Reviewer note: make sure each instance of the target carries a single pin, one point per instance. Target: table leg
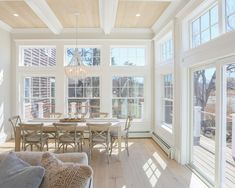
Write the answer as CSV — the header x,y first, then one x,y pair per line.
x,y
119,142
17,139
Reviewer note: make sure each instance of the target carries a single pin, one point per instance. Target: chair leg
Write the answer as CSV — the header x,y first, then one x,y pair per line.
x,y
111,146
127,148
31,147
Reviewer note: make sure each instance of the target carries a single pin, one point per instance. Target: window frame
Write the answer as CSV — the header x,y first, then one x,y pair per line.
x,y
82,98
167,38
128,46
166,99
21,56
198,17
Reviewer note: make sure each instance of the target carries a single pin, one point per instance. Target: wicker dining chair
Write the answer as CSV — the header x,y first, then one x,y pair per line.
x,y
33,136
124,135
99,133
67,135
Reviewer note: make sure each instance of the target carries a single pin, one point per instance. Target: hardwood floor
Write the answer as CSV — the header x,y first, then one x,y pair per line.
x,y
146,167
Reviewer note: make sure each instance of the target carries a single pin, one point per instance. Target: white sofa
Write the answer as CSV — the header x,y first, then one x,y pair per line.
x,y
34,158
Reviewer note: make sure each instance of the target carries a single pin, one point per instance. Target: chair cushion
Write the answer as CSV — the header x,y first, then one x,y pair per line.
x,y
61,175
15,173
36,138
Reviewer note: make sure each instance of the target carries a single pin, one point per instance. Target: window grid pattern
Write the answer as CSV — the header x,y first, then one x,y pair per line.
x,y
89,56
167,100
205,27
39,97
38,57
128,56
230,15
166,50
128,97
84,94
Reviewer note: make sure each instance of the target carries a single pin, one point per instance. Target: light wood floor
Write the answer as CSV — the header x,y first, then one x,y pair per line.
x,y
146,167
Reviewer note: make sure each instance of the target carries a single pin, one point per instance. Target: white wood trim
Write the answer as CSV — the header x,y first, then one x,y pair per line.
x,y
108,12
149,0
43,11
5,26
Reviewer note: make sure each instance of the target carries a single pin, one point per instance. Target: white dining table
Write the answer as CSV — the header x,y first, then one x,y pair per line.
x,y
81,126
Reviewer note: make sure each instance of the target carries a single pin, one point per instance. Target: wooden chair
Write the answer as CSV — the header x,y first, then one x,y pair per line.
x,y
14,121
99,134
67,134
124,134
33,135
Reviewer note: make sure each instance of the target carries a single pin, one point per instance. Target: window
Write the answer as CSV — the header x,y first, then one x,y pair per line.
x,y
230,15
205,27
167,100
39,97
84,96
166,50
128,56
89,56
128,97
38,56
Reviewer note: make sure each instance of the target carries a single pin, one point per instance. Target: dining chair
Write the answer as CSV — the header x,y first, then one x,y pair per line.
x,y
99,133
67,135
33,135
124,135
14,121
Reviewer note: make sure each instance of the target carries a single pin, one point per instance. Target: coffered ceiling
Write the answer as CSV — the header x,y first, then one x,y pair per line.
x,y
59,14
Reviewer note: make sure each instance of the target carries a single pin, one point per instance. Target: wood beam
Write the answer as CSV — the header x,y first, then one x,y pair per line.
x,y
44,12
5,26
108,12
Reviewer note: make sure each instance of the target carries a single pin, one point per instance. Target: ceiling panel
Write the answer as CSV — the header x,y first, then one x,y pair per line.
x,y
65,10
149,13
26,19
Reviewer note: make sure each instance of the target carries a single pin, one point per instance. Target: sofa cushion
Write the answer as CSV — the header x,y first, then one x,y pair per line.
x,y
15,173
64,175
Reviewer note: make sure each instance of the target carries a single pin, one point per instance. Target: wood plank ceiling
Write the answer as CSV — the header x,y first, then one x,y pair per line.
x,y
65,10
26,17
148,12
89,17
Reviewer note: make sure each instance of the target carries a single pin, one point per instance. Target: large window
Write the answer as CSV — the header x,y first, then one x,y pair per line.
x,y
84,96
89,56
230,15
128,97
167,100
166,50
205,27
128,56
38,56
39,97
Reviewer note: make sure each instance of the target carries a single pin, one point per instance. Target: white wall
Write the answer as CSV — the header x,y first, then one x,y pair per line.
x,y
5,85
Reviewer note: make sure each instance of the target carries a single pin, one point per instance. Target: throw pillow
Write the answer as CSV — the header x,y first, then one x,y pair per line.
x,y
64,175
15,173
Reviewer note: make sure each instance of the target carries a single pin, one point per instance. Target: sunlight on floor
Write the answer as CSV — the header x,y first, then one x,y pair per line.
x,y
160,161
151,172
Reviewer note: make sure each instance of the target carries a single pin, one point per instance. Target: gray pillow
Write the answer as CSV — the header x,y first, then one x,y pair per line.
x,y
15,173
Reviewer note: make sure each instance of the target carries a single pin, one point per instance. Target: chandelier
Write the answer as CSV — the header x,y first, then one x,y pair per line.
x,y
76,68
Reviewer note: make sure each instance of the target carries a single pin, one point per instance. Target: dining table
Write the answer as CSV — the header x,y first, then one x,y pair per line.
x,y
81,126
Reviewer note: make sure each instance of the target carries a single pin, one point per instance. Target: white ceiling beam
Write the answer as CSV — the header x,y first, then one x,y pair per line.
x,y
43,11
5,26
108,12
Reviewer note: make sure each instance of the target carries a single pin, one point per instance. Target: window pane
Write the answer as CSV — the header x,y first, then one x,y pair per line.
x,y
38,56
128,96
214,31
214,15
205,36
196,41
168,110
230,7
129,56
231,22
205,21
204,131
89,56
38,97
196,27
81,99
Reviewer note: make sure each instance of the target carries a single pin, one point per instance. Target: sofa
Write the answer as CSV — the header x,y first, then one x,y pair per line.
x,y
34,159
